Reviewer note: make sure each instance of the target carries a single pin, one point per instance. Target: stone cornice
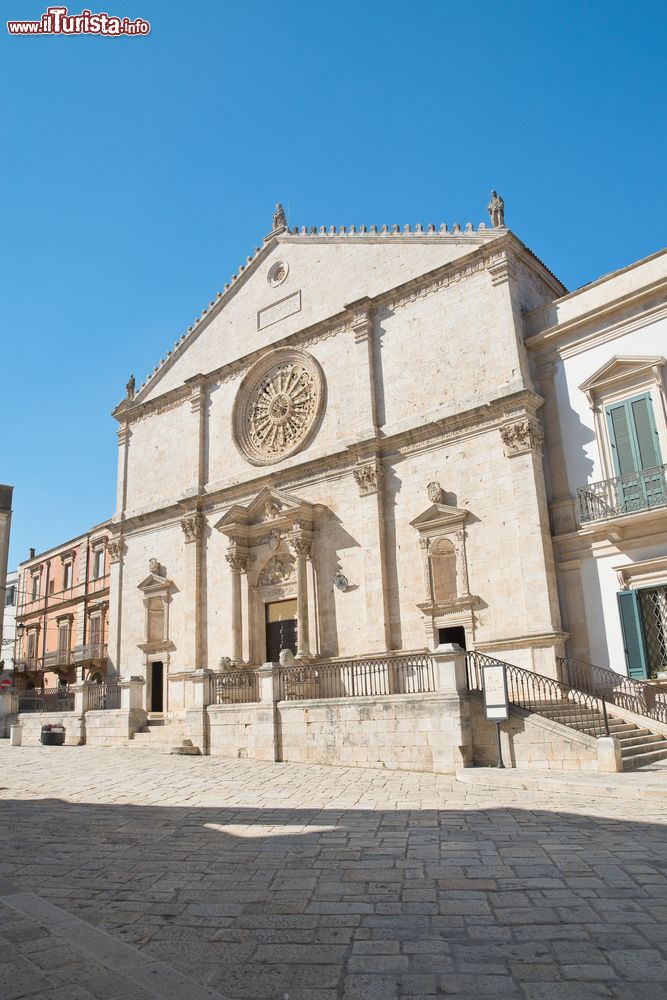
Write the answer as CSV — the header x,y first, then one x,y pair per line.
x,y
553,336
476,420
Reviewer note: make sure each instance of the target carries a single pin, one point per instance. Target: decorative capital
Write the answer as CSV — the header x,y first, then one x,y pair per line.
x,y
362,320
197,395
522,436
193,526
301,544
124,433
368,477
116,548
237,559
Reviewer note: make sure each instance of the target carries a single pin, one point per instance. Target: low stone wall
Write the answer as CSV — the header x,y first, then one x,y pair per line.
x,y
531,741
32,722
242,731
112,727
402,732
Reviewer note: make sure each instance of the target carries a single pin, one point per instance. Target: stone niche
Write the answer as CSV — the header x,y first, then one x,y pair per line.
x,y
447,602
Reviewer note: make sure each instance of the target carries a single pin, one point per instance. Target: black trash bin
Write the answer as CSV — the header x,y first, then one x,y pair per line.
x,y
52,736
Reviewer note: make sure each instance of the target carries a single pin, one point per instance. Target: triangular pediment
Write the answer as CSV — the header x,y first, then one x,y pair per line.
x,y
620,369
270,508
439,516
297,279
153,582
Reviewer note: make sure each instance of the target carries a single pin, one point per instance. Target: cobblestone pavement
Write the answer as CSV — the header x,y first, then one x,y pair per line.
x,y
130,875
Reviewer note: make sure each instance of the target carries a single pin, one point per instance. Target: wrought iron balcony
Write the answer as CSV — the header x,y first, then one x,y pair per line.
x,y
626,494
89,651
27,664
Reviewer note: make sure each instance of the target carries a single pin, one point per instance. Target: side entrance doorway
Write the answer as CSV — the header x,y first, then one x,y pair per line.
x,y
281,629
157,687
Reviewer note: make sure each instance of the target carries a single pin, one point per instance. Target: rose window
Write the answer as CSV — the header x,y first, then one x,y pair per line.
x,y
278,406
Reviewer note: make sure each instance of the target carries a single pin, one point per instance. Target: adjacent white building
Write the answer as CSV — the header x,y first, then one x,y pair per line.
x,y
600,356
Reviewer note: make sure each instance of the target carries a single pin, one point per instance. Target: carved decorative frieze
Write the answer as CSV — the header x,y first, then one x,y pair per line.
x,y
278,570
522,436
193,526
368,477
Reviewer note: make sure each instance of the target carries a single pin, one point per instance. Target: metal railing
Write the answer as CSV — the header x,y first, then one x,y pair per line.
x,y
27,664
623,495
89,651
580,710
234,687
105,695
360,678
640,697
58,699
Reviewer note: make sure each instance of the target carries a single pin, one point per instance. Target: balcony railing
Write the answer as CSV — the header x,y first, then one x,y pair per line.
x,y
626,494
234,687
27,664
89,651
57,658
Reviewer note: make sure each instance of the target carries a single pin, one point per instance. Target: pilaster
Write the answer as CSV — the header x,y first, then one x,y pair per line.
x,y
369,477
194,527
362,326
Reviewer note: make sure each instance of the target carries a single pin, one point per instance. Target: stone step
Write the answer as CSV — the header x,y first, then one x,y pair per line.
x,y
638,738
638,760
638,748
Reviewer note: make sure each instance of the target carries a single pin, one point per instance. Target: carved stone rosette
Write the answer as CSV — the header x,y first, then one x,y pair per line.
x,y
368,477
522,436
193,526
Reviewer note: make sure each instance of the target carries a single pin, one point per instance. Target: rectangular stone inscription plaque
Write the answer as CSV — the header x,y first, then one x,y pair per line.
x,y
279,310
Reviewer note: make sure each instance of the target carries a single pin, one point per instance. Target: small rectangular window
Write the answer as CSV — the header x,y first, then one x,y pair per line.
x,y
67,576
98,564
34,592
63,637
32,645
96,630
10,599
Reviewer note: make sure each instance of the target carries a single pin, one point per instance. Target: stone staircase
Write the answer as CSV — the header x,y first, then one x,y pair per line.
x,y
165,736
639,745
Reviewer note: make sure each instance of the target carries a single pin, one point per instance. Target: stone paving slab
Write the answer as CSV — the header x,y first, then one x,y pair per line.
x,y
646,783
258,880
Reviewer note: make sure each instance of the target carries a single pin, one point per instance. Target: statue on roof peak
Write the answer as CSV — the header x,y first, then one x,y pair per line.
x,y
279,220
496,209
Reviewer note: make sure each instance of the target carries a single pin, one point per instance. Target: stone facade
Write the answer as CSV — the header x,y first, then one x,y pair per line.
x,y
352,425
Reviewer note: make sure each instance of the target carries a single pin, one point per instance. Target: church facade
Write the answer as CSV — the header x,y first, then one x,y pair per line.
x,y
342,457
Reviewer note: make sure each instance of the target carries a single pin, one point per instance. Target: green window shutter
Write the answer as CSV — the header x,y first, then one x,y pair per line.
x,y
645,431
621,439
633,639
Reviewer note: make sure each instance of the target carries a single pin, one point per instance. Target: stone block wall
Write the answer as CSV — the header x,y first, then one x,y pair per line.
x,y
112,728
32,722
530,741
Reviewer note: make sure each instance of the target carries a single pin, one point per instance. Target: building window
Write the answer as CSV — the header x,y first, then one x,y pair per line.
x,y
32,645
10,597
643,615
63,636
67,576
98,563
633,435
95,630
34,587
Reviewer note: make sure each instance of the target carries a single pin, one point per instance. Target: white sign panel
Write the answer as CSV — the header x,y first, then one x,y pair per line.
x,y
279,310
494,682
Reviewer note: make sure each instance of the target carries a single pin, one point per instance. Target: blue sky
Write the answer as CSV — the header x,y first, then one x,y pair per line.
x,y
139,173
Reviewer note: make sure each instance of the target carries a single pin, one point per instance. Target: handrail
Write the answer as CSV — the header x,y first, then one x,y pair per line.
x,y
640,697
580,710
625,494
234,687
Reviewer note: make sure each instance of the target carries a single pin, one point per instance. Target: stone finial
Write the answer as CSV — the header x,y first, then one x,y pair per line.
x,y
496,210
130,387
279,220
